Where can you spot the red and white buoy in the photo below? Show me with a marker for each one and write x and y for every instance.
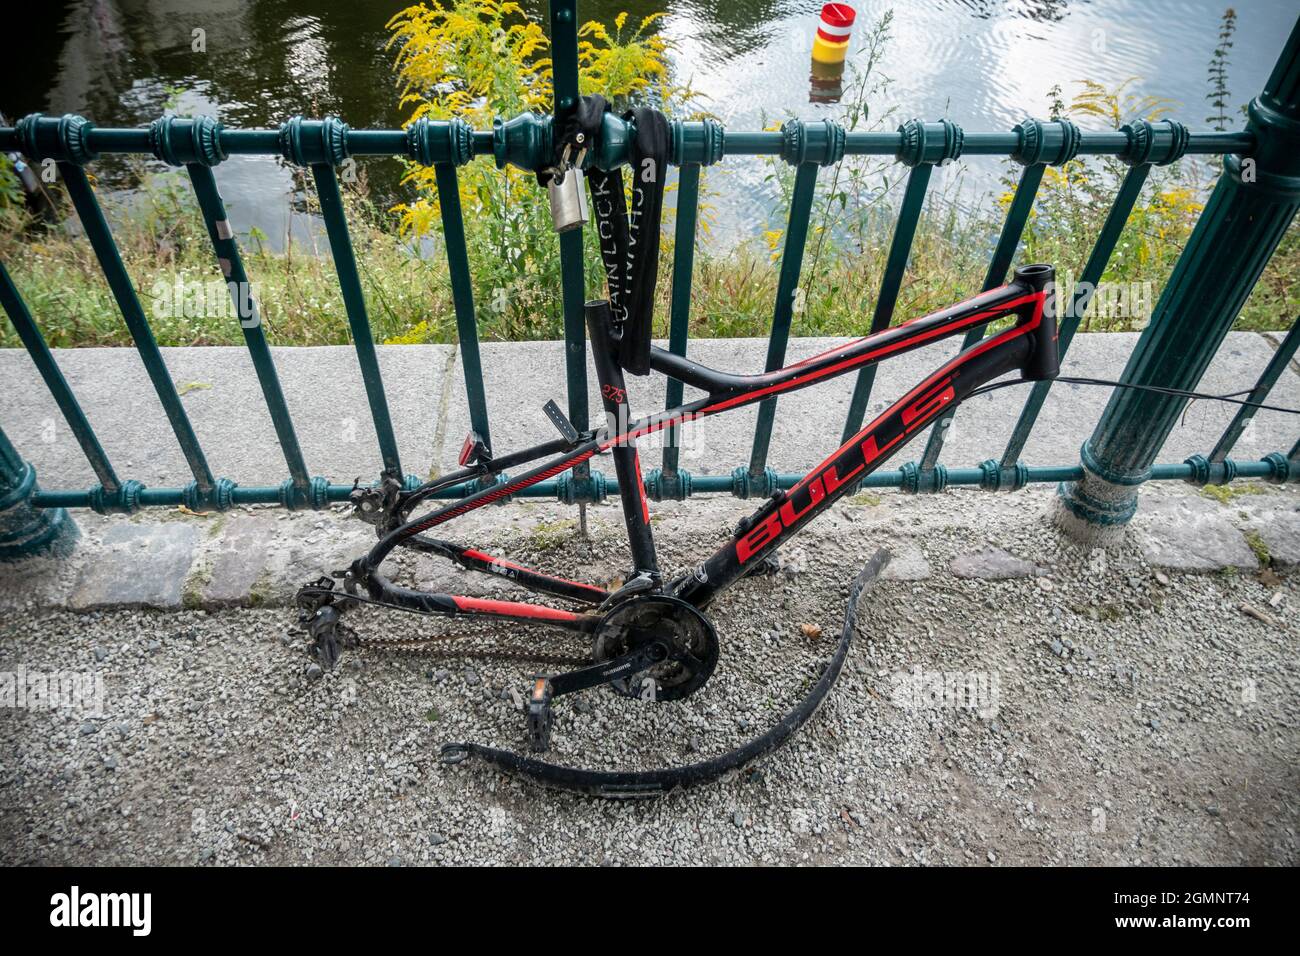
(833, 33)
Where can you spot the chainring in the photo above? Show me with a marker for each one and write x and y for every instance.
(691, 639)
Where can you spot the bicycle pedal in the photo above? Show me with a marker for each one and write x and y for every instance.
(559, 420)
(540, 716)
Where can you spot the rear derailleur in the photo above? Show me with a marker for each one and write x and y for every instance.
(320, 613)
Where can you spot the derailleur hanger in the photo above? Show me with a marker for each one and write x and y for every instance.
(377, 503)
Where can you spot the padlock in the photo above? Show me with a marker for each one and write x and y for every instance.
(567, 195)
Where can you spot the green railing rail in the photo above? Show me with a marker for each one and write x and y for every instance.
(1254, 202)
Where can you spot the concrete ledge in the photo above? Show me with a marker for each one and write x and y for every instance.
(260, 557)
(1192, 533)
(137, 565)
(522, 376)
(221, 394)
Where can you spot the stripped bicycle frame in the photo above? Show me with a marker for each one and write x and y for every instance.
(651, 639)
(1028, 346)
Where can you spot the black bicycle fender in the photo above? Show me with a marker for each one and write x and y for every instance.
(646, 784)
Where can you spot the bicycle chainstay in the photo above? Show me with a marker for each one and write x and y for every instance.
(312, 598)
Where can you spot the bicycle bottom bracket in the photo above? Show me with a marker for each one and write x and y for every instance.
(691, 646)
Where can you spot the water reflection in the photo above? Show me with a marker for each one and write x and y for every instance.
(1028, 9)
(826, 82)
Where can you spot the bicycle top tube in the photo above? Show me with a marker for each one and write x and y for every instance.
(979, 310)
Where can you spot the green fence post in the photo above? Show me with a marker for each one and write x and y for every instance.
(443, 145)
(1013, 228)
(25, 530)
(695, 145)
(564, 47)
(900, 250)
(583, 486)
(1039, 144)
(322, 145)
(679, 325)
(213, 210)
(462, 298)
(806, 147)
(1252, 206)
(758, 478)
(1068, 322)
(922, 146)
(120, 284)
(43, 359)
(354, 303)
(1267, 379)
(196, 144)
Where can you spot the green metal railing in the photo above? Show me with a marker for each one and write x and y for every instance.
(1254, 202)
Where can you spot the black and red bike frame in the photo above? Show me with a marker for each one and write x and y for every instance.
(1028, 346)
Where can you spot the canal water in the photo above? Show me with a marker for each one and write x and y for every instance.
(983, 63)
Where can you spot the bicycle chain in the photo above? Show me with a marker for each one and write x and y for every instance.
(427, 646)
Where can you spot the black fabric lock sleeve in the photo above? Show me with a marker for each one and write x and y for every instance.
(584, 118)
(628, 240)
(648, 158)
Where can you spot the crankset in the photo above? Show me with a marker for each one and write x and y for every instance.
(689, 640)
(652, 647)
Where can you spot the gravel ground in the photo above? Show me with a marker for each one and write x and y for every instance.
(1123, 715)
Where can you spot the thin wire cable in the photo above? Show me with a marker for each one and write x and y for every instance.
(1163, 390)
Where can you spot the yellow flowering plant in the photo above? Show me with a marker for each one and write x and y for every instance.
(482, 59)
